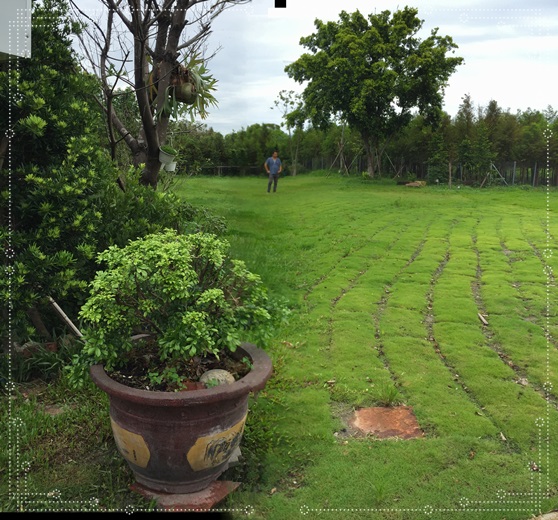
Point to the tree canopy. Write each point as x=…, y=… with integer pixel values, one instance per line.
x=372, y=72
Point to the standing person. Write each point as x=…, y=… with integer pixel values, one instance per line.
x=273, y=168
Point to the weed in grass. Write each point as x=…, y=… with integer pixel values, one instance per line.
x=379, y=492
x=37, y=361
x=388, y=395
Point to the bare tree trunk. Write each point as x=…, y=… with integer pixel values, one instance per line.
x=150, y=174
x=156, y=28
x=35, y=317
x=370, y=156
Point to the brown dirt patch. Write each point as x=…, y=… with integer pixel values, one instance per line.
x=380, y=422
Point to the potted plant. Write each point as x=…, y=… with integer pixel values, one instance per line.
x=170, y=167
x=191, y=89
x=167, y=154
x=165, y=310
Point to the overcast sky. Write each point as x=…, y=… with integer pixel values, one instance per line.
x=510, y=48
x=510, y=52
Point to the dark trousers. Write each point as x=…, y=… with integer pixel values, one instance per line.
x=272, y=180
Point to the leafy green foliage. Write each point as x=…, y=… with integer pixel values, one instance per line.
x=65, y=203
x=184, y=292
x=55, y=230
x=372, y=71
x=169, y=149
x=45, y=98
x=200, y=147
x=251, y=146
x=438, y=161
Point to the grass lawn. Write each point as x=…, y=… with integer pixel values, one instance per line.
x=387, y=284
x=440, y=300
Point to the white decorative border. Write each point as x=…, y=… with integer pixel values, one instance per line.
x=18, y=488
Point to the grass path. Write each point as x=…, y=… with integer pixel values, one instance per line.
x=388, y=286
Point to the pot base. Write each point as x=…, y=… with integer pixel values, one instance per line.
x=202, y=500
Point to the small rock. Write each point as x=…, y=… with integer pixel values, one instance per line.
x=218, y=377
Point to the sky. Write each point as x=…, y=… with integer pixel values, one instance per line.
x=509, y=52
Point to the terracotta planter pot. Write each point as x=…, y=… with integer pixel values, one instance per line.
x=180, y=442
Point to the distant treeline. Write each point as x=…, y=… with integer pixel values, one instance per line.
x=479, y=146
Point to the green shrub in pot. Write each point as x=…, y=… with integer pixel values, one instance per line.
x=186, y=300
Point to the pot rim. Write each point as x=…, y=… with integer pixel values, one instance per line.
x=254, y=381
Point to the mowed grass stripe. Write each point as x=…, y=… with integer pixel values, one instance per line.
x=524, y=334
x=357, y=375
x=360, y=362
x=478, y=361
x=426, y=381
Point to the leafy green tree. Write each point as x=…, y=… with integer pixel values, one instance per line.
x=532, y=143
x=465, y=120
x=483, y=154
x=343, y=145
x=373, y=72
x=292, y=111
x=249, y=147
x=311, y=146
x=41, y=130
x=502, y=131
x=466, y=157
x=200, y=147
x=506, y=137
x=438, y=161
x=552, y=134
x=491, y=118
x=411, y=146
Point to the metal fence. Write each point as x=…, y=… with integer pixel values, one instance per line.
x=505, y=173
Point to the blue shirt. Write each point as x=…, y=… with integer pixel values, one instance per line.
x=273, y=165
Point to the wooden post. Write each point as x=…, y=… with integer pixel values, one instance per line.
x=65, y=317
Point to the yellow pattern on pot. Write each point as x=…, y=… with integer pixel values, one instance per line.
x=212, y=450
x=131, y=445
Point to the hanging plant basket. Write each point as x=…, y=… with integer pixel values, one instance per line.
x=170, y=167
x=185, y=93
x=167, y=154
x=190, y=89
x=184, y=90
